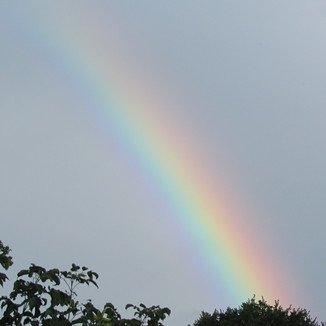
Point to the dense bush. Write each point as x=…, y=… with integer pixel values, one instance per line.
x=257, y=313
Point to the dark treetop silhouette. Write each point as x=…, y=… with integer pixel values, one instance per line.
x=48, y=297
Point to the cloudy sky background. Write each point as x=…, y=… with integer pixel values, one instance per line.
x=247, y=82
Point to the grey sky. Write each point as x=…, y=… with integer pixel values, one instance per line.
x=250, y=80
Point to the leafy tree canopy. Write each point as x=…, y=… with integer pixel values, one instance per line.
x=48, y=297
x=257, y=313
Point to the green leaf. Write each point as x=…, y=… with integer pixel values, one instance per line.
x=23, y=272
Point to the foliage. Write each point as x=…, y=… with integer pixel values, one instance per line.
x=150, y=316
x=257, y=313
x=37, y=298
x=48, y=297
x=5, y=261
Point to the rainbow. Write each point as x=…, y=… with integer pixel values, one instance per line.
x=231, y=256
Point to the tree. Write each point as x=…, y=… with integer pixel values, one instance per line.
x=37, y=298
x=257, y=313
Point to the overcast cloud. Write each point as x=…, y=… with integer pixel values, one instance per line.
x=249, y=78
